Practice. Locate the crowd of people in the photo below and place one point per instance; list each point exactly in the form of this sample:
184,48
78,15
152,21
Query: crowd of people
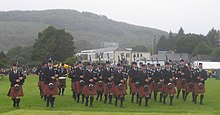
112,84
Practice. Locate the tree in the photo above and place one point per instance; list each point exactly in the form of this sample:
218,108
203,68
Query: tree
216,54
181,32
202,48
163,44
71,60
20,54
53,43
186,43
213,37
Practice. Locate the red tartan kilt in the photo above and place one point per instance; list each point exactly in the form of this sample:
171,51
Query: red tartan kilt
47,91
156,88
133,88
61,85
99,88
179,83
118,91
14,93
39,83
73,86
142,93
88,92
188,89
166,90
197,90
79,88
107,89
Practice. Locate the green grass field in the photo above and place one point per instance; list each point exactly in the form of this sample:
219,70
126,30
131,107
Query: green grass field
32,104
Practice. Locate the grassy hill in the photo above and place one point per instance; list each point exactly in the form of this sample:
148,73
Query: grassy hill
22,27
32,104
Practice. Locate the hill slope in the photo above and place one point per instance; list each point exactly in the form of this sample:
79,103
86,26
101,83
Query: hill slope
22,27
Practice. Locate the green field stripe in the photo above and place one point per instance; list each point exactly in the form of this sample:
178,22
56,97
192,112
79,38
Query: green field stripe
51,112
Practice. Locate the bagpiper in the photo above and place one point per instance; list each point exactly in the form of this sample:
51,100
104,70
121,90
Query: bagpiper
79,71
50,83
62,73
71,75
108,82
199,83
189,81
133,81
41,80
157,82
99,82
168,85
119,85
17,79
89,87
144,89
181,78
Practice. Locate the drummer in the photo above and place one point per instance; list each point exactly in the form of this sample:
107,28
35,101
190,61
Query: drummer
62,73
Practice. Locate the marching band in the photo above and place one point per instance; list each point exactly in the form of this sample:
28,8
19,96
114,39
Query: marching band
113,82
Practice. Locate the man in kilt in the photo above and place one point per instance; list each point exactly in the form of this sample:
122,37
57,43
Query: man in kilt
168,85
99,82
133,81
189,81
150,71
79,81
108,82
144,89
89,87
181,78
157,82
119,85
71,75
199,83
41,80
17,79
62,73
50,83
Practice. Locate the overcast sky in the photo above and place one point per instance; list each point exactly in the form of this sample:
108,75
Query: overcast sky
195,16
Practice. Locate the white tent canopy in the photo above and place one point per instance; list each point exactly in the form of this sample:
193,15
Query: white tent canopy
208,65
